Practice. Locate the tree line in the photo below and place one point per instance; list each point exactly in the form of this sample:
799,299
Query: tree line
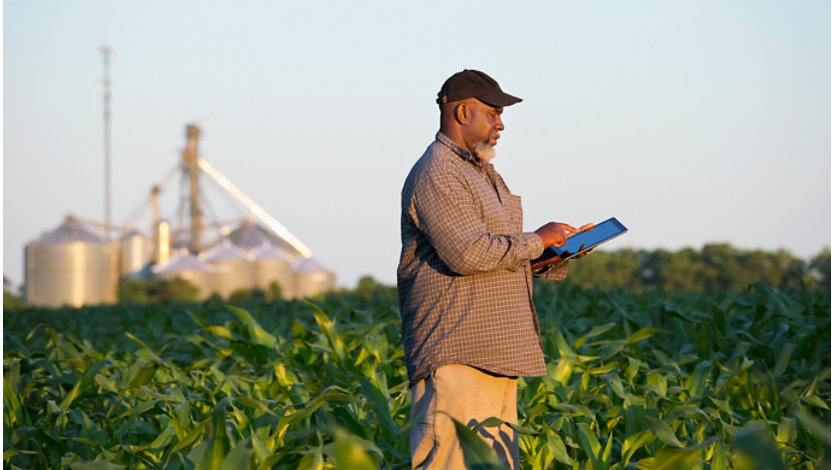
717,267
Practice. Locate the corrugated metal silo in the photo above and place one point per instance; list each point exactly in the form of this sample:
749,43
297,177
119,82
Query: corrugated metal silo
250,235
273,265
312,278
70,266
187,266
162,242
135,251
232,269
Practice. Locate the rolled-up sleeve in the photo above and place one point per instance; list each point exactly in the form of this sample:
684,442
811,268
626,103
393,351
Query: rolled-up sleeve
446,211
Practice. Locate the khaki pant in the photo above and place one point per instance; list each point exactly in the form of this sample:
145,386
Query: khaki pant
470,396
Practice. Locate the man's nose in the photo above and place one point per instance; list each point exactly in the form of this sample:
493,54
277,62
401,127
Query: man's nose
499,124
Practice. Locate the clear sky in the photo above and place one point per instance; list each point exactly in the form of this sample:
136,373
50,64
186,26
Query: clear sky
692,121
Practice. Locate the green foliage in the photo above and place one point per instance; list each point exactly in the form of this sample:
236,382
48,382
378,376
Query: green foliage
274,292
819,268
368,289
142,291
715,268
11,301
242,295
646,381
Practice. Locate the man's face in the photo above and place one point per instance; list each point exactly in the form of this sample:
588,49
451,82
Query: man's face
486,122
484,125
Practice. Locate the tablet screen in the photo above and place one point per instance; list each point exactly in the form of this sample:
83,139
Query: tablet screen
601,233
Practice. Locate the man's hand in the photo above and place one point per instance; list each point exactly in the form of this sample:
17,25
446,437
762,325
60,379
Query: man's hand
580,253
556,234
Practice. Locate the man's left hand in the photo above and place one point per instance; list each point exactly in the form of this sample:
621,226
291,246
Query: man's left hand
567,254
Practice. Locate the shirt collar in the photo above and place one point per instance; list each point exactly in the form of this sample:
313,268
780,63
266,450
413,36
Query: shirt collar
460,151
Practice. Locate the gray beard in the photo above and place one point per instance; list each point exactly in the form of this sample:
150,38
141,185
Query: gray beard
484,151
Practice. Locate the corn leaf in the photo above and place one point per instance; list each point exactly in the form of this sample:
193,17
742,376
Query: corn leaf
662,431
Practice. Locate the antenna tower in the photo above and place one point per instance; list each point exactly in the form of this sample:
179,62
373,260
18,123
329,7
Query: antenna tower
105,52
189,155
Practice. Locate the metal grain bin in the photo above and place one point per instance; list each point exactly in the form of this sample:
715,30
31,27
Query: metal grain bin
162,242
70,266
312,278
232,269
187,266
273,265
135,252
251,235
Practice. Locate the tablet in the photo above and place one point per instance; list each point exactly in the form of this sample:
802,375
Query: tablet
601,233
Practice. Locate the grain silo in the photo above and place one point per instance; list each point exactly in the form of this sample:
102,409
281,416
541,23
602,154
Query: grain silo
135,252
273,265
251,235
70,266
312,278
187,266
232,270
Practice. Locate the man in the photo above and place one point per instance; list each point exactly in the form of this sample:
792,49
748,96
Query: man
469,327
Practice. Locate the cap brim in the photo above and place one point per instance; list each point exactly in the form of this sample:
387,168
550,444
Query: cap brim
499,100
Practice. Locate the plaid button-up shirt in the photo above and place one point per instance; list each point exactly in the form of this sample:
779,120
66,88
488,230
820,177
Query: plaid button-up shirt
464,278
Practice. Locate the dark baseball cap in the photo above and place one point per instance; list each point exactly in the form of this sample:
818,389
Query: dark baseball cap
474,84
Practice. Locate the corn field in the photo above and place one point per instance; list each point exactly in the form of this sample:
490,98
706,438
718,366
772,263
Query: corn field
645,381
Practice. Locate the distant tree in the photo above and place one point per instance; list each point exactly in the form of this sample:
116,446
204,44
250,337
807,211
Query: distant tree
605,270
368,288
819,267
241,295
722,271
178,290
134,291
10,300
682,271
717,267
274,292
140,291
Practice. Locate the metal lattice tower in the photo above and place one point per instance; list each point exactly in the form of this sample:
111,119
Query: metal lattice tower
192,133
105,52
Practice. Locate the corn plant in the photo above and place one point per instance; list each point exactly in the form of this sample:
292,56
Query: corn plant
635,381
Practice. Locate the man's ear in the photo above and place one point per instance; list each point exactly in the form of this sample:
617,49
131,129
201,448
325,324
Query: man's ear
462,113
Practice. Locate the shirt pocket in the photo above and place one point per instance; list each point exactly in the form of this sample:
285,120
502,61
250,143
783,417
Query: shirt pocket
513,207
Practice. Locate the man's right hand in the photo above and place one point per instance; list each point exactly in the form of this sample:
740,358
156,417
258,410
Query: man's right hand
556,233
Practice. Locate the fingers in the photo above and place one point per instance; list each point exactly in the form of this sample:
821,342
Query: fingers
552,234
556,233
569,229
580,253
